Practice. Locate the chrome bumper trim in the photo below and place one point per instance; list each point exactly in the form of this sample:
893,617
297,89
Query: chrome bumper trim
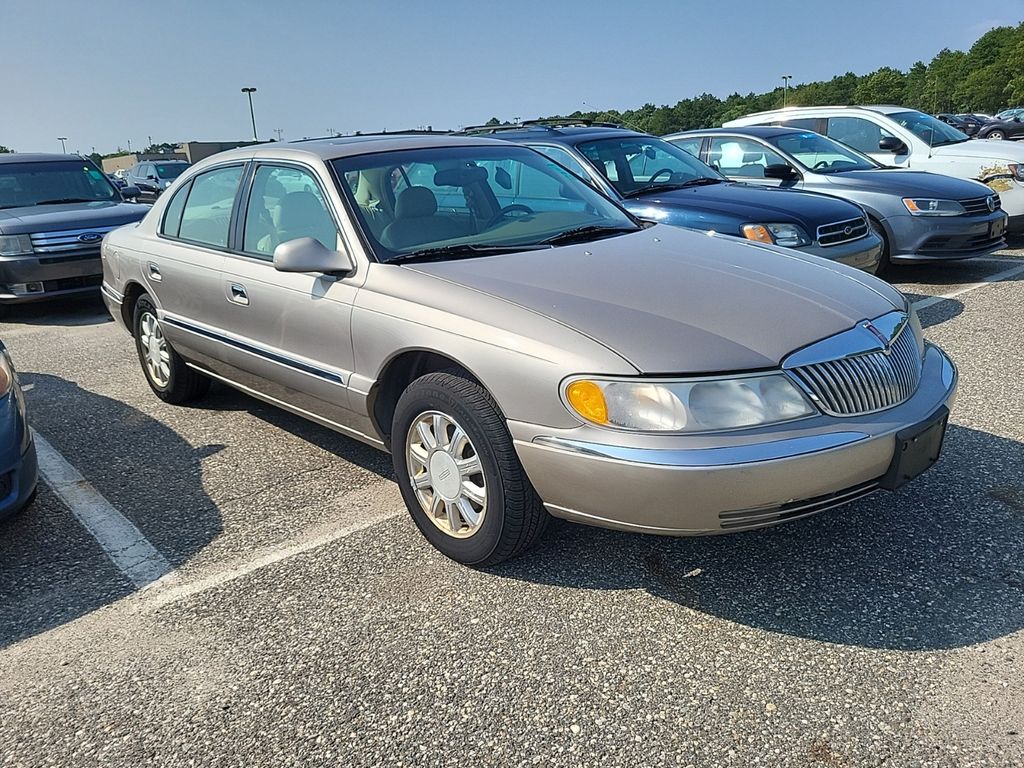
749,453
111,294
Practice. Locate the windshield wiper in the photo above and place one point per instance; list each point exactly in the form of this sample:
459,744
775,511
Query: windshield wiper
588,232
61,200
443,252
669,186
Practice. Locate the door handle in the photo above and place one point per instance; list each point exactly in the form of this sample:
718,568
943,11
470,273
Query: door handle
154,272
238,294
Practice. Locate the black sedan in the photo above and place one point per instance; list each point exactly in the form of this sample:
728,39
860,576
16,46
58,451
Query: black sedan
1012,128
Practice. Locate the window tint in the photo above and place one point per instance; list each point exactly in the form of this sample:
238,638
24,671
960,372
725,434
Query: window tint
207,214
172,216
564,157
25,184
286,204
856,132
735,156
804,123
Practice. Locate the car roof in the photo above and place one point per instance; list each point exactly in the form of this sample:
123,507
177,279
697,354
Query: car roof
349,146
37,157
758,131
558,133
885,109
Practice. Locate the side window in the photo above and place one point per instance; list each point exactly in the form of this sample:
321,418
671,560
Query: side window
145,171
207,213
564,157
803,123
172,215
285,204
690,144
735,156
856,132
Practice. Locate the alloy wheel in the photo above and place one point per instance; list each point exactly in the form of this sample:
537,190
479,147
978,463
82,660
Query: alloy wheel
155,351
446,474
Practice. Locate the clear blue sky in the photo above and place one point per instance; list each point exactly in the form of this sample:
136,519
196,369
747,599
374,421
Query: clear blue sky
102,72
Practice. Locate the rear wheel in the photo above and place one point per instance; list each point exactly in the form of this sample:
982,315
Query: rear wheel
459,473
165,370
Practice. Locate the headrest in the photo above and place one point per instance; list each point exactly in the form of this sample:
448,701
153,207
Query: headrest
752,157
415,203
298,209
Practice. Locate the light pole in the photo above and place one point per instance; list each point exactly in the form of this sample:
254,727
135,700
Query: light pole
63,147
249,92
785,88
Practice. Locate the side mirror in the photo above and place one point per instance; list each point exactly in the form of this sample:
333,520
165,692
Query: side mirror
891,144
780,171
307,254
130,193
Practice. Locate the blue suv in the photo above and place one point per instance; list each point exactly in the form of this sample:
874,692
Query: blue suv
657,181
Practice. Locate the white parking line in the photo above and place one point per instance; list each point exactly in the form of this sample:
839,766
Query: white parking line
998,276
122,542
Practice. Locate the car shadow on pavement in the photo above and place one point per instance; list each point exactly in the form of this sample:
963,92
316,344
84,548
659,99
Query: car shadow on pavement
87,309
937,565
941,312
146,470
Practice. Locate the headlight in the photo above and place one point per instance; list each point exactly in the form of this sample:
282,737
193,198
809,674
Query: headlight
786,235
699,405
15,245
6,374
1017,169
927,206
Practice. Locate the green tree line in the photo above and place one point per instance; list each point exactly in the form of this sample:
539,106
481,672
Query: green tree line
987,78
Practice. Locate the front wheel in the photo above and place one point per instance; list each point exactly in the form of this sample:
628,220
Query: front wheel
996,135
165,370
459,473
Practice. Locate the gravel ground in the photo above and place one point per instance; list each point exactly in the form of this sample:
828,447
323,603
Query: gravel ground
307,623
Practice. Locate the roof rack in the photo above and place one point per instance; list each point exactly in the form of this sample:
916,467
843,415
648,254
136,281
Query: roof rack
552,124
358,134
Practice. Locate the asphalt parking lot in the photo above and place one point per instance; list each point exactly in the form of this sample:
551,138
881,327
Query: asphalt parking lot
304,621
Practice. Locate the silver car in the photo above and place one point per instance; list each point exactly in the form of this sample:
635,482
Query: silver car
525,360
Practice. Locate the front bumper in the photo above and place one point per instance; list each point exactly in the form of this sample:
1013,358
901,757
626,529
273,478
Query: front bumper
696,484
54,276
937,238
864,253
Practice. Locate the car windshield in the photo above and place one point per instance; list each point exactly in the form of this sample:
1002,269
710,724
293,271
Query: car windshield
821,154
637,164
170,170
446,202
52,182
929,129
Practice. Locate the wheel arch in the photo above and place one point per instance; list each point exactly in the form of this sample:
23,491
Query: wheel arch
132,291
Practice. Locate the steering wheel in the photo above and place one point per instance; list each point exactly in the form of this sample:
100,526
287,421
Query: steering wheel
514,208
659,173
820,164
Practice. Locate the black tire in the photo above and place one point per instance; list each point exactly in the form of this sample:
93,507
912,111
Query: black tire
515,518
183,384
884,263
995,135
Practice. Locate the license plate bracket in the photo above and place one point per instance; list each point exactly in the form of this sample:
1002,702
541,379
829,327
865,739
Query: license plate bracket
997,228
917,449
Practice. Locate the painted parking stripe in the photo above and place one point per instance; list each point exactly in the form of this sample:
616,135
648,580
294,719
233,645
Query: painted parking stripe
122,542
997,277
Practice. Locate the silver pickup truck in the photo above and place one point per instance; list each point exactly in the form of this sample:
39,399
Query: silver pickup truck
54,212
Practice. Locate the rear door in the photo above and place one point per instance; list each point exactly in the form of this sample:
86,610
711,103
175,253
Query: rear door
183,268
288,334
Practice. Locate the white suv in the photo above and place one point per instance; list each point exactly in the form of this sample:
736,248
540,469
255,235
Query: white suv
911,139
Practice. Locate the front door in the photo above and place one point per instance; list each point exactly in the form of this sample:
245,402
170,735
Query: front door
743,159
290,334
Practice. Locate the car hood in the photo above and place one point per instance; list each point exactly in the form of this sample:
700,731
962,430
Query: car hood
755,203
983,148
906,182
674,301
53,218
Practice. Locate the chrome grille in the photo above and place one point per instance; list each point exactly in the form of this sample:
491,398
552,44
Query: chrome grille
842,231
978,206
867,382
56,247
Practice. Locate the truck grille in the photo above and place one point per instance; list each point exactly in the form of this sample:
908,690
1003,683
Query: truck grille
978,206
66,245
866,382
842,232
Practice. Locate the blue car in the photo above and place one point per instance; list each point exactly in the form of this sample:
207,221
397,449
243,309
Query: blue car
657,181
18,467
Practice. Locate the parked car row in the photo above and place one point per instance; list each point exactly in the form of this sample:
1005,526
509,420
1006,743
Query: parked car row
985,127
523,344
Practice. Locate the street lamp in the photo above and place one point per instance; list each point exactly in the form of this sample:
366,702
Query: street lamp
785,88
249,92
63,147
